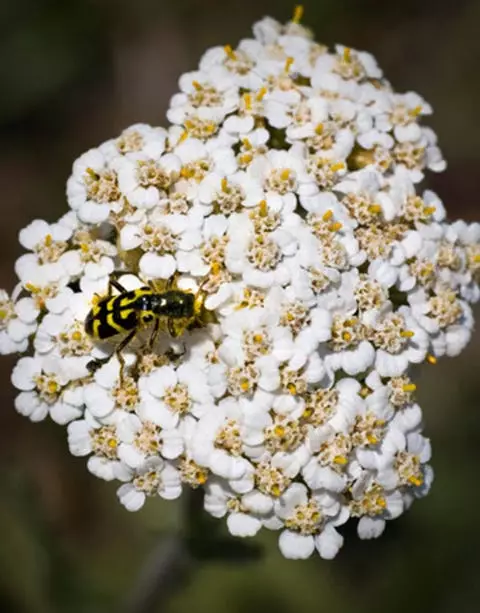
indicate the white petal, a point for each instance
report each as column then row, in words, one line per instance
column 296, row 546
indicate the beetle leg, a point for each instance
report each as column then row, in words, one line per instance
column 94, row 365
column 154, row 334
column 120, row 348
column 114, row 283
column 172, row 330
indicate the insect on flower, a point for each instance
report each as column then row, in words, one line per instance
column 167, row 307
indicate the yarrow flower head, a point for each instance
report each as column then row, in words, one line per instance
column 238, row 302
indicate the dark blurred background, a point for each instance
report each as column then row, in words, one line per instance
column 74, row 73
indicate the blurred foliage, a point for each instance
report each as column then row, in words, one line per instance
column 74, row 73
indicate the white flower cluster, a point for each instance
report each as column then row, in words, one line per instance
column 286, row 189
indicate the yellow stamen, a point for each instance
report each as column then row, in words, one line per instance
column 292, row 388
column 279, row 431
column 247, row 98
column 52, row 387
column 431, row 359
column 416, row 111
column 327, row 215
column 373, row 440
column 319, row 129
column 183, row 136
column 246, row 143
column 416, row 481
column 409, row 387
column 429, row 210
column 347, row 337
column 197, row 85
column 476, row 258
column 307, row 413
column 297, row 13
column 347, row 54
column 288, row 64
column 276, row 491
column 258, row 338
column 263, row 212
column 285, row 174
column 77, row 336
column 189, row 124
column 3, row 314
column 186, row 173
column 364, row 392
column 215, row 268
column 48, row 240
column 245, row 385
column 91, row 173
column 201, row 477
column 340, row 459
column 246, row 158
column 230, row 52
column 32, row 288
column 381, row 502
column 407, row 333
column 335, row 227
column 224, row 185
column 375, row 209
column 112, row 443
column 336, row 167
column 261, row 93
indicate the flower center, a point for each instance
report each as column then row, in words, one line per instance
column 264, row 253
column 284, row 434
column 159, row 239
column 320, row 406
column 409, row 469
column 147, row 440
column 148, row 483
column 7, row 313
column 229, row 198
column 368, row 430
column 49, row 251
column 256, row 343
column 242, row 379
column 335, row 451
column 348, row 66
column 129, row 141
column 295, row 316
column 306, row 519
column 74, row 341
column 204, row 95
column 151, row 174
column 101, row 187
column 391, row 334
column 48, row 387
column 402, row 391
column 126, row 394
column 372, row 502
column 445, row 309
column 281, row 180
column 271, row 480
column 178, row 399
column 369, row 294
column 229, row 438
column 192, row 473
column 105, row 442
column 347, row 332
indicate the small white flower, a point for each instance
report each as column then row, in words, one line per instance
column 310, row 523
column 154, row 477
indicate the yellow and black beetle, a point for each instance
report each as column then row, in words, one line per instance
column 173, row 310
